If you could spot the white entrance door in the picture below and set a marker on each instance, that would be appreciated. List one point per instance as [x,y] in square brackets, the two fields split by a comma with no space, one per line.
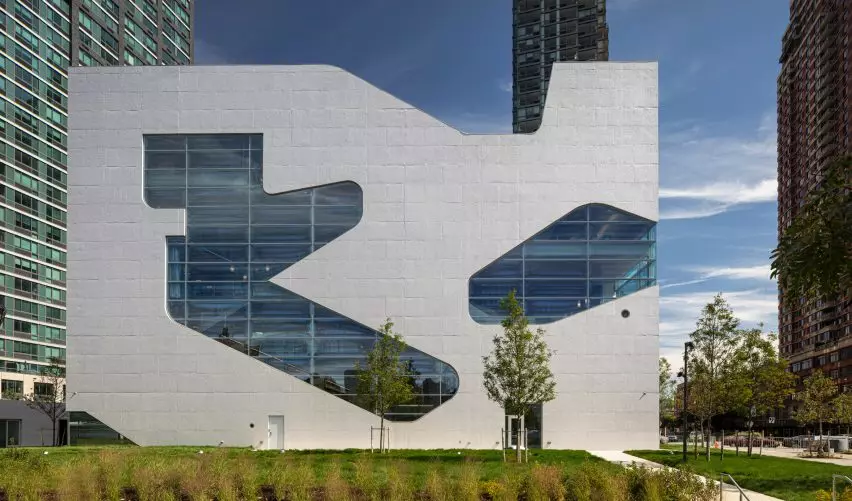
[276,433]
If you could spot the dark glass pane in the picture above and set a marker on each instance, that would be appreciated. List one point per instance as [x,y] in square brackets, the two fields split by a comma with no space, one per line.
[620,250]
[278,253]
[281,234]
[217,196]
[218,159]
[176,309]
[555,250]
[333,327]
[265,271]
[612,268]
[165,160]
[280,309]
[164,142]
[218,142]
[606,213]
[551,268]
[217,178]
[268,290]
[344,346]
[579,214]
[338,194]
[487,310]
[260,197]
[231,214]
[213,290]
[503,269]
[218,234]
[620,231]
[216,272]
[165,198]
[341,214]
[553,307]
[564,231]
[555,288]
[256,142]
[200,253]
[272,214]
[327,233]
[176,249]
[165,178]
[494,288]
[216,309]
[279,328]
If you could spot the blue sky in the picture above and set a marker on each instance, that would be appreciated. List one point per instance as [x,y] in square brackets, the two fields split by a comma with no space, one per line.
[452,58]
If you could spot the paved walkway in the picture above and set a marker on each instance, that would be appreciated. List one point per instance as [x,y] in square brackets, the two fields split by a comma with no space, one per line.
[730,493]
[784,452]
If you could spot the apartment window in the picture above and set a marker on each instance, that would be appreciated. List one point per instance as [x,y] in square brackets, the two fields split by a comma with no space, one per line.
[10,432]
[11,388]
[44,390]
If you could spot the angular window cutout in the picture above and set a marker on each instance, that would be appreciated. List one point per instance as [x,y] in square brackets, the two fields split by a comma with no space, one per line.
[590,256]
[237,238]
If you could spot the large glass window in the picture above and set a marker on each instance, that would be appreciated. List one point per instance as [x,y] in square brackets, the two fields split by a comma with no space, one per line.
[237,238]
[594,254]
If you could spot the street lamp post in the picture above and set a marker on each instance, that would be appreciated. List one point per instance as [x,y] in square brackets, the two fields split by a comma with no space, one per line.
[687,347]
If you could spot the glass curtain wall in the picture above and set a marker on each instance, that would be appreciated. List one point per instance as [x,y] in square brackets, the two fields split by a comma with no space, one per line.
[594,254]
[238,237]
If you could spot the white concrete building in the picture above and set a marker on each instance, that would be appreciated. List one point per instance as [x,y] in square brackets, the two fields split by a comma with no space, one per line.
[236,233]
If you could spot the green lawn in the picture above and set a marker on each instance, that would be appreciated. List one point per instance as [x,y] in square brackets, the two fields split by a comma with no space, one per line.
[416,462]
[788,479]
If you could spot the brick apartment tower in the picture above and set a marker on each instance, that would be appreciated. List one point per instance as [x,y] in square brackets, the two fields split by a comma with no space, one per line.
[814,111]
[544,31]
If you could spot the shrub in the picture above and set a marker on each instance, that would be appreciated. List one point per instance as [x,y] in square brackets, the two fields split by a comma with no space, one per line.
[545,483]
[365,480]
[594,482]
[336,487]
[397,488]
[435,488]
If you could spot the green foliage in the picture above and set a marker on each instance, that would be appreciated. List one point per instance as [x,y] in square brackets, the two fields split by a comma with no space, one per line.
[517,372]
[814,254]
[815,402]
[384,381]
[667,392]
[713,387]
[843,410]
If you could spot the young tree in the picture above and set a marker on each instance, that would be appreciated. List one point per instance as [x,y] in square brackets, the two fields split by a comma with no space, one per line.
[711,364]
[48,396]
[814,253]
[761,377]
[667,394]
[384,380]
[843,410]
[517,373]
[815,402]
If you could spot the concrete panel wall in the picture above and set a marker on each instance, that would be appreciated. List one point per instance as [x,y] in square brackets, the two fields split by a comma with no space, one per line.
[438,206]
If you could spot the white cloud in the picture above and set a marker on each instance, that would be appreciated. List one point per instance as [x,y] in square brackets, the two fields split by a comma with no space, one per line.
[704,174]
[758,272]
[727,193]
[681,284]
[505,85]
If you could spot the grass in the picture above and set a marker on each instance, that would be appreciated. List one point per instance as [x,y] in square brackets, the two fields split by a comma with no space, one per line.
[231,474]
[788,479]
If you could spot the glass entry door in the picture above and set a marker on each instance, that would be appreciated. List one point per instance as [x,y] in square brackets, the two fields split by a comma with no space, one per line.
[10,433]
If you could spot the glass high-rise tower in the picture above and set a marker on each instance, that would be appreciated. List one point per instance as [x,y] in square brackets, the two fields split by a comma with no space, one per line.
[39,40]
[545,31]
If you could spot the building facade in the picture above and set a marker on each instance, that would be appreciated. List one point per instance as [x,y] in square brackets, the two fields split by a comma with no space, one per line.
[39,40]
[238,237]
[544,32]
[814,111]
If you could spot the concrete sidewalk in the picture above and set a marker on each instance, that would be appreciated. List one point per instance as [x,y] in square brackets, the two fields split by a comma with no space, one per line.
[729,492]
[788,453]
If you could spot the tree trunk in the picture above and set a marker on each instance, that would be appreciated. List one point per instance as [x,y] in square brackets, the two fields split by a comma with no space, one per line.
[750,425]
[820,438]
[707,450]
[518,444]
[54,431]
[382,434]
